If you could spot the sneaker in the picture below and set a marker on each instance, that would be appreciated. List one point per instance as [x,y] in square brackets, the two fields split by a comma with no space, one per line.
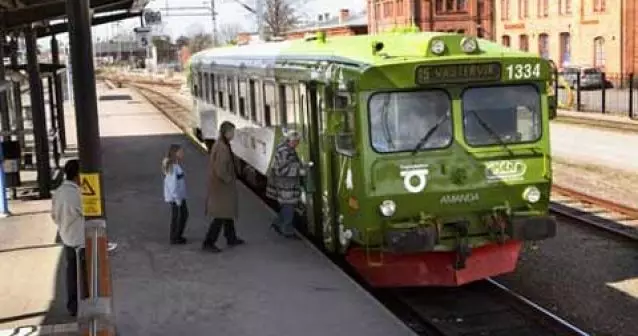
[236,241]
[211,248]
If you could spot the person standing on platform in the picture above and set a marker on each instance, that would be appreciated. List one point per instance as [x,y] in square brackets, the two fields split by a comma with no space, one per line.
[222,200]
[175,192]
[66,211]
[284,183]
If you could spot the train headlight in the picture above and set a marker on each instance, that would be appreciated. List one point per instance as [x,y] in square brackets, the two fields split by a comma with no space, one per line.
[388,208]
[532,194]
[437,47]
[469,44]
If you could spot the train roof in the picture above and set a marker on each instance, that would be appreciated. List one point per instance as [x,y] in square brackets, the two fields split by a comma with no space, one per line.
[356,51]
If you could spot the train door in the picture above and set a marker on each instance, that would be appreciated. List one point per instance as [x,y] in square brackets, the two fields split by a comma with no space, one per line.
[312,187]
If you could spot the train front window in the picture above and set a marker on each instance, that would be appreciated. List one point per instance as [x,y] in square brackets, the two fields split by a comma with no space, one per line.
[501,115]
[399,121]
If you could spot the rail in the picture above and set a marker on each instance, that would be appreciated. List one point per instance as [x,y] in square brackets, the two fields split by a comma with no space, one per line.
[567,208]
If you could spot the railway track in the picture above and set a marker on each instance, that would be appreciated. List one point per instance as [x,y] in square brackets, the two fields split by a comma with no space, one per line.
[612,217]
[485,308]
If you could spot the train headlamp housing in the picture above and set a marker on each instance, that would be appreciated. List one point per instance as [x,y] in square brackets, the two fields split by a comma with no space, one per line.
[437,47]
[469,45]
[532,194]
[388,208]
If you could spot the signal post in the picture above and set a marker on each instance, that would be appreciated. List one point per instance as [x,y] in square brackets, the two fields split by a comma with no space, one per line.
[96,312]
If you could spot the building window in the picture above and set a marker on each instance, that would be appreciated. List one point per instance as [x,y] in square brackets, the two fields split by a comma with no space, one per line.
[377,10]
[523,9]
[599,5]
[543,8]
[599,52]
[388,10]
[523,42]
[565,49]
[543,45]
[568,6]
[450,6]
[505,10]
[505,40]
[400,8]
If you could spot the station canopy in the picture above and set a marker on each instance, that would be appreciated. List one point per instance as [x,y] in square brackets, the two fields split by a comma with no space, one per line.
[15,14]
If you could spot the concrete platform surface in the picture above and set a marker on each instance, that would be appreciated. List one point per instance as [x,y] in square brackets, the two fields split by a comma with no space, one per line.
[270,286]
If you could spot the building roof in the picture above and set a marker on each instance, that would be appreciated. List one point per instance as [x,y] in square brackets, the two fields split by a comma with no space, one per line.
[354,20]
[17,13]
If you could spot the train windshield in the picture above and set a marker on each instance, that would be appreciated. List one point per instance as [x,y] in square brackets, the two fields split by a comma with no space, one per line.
[501,115]
[399,120]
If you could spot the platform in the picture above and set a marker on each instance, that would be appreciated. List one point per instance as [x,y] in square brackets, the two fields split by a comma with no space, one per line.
[270,286]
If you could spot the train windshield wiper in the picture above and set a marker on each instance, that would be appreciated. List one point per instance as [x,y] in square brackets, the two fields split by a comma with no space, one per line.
[386,127]
[429,133]
[492,132]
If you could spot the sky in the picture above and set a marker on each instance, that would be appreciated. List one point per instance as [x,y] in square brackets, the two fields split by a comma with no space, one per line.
[229,12]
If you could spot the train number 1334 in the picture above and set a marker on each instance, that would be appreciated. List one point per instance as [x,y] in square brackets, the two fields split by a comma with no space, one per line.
[523,71]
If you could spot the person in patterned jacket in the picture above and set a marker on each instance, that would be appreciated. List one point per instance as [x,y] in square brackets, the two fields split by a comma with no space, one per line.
[284,183]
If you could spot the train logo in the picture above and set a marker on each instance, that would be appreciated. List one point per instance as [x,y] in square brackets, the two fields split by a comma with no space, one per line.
[505,170]
[415,177]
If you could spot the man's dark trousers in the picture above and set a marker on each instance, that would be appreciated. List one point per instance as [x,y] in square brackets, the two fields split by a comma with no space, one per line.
[72,277]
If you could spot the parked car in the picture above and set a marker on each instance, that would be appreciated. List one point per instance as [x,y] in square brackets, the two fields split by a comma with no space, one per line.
[590,77]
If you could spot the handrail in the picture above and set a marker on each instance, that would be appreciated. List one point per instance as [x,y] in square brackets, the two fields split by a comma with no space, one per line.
[96,312]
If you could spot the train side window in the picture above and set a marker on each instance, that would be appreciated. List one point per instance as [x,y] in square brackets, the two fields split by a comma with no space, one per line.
[220,94]
[200,82]
[231,93]
[269,101]
[281,90]
[195,85]
[206,88]
[253,103]
[291,108]
[243,94]
[211,90]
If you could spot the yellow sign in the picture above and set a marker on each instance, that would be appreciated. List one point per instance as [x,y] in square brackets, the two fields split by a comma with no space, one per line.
[91,195]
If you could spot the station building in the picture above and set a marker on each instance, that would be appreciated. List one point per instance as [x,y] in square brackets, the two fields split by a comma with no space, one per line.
[599,33]
[471,17]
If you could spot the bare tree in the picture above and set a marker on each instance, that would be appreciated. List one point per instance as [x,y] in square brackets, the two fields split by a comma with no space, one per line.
[198,39]
[227,33]
[281,15]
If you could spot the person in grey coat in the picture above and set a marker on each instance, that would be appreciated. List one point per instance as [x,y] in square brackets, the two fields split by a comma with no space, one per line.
[284,182]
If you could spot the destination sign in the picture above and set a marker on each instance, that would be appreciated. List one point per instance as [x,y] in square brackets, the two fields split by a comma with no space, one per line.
[458,73]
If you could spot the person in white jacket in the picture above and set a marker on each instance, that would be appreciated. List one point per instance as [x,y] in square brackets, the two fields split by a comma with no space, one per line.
[67,214]
[175,192]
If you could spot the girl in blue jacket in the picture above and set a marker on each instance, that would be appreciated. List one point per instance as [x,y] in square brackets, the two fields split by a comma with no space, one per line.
[175,192]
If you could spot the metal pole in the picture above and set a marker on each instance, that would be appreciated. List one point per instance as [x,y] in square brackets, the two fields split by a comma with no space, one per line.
[214,21]
[17,95]
[59,95]
[53,118]
[4,104]
[4,204]
[39,116]
[88,135]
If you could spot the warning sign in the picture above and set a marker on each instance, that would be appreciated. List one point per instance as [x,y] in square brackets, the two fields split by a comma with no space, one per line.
[91,201]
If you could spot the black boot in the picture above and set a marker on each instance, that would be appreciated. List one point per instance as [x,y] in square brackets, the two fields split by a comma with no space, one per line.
[230,233]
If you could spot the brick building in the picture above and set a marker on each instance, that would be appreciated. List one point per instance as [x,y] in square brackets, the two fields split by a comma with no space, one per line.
[344,24]
[599,33]
[471,17]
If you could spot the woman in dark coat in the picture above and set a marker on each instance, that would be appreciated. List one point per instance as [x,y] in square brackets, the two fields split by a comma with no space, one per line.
[221,200]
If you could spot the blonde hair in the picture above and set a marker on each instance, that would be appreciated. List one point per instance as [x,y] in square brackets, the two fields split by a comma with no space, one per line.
[170,159]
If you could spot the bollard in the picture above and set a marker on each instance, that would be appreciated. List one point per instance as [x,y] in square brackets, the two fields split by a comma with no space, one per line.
[4,204]
[96,312]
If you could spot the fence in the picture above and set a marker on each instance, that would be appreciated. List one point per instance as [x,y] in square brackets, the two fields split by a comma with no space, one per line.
[598,92]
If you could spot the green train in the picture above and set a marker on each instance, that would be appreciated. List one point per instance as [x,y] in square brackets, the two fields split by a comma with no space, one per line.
[430,151]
